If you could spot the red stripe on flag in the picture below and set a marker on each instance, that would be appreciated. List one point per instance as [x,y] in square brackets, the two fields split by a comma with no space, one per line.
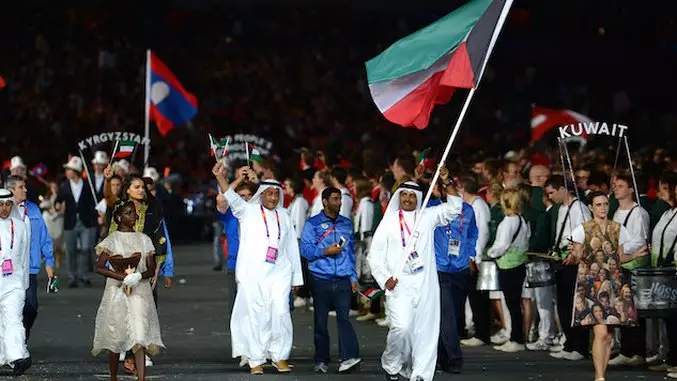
[459,73]
[164,125]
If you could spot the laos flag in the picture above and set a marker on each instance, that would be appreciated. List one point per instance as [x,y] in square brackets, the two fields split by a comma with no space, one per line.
[169,104]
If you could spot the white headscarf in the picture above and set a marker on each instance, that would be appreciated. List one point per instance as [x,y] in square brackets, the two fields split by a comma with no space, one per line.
[394,204]
[6,194]
[263,186]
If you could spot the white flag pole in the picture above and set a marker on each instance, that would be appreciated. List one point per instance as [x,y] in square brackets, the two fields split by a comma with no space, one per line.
[246,148]
[450,142]
[146,117]
[115,150]
[89,178]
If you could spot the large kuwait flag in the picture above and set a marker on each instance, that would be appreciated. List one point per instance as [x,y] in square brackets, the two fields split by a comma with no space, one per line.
[425,68]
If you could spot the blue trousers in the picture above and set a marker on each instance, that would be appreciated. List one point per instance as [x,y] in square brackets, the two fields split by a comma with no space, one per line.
[336,294]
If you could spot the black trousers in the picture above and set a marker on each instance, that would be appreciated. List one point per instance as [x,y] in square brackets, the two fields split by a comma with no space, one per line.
[30,312]
[481,307]
[511,282]
[671,328]
[578,338]
[453,291]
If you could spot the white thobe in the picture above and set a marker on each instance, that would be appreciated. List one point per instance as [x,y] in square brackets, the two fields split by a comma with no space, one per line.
[13,291]
[260,325]
[414,305]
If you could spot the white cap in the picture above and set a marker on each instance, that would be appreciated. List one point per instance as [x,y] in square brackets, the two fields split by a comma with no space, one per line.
[16,162]
[75,163]
[100,157]
[152,173]
[124,164]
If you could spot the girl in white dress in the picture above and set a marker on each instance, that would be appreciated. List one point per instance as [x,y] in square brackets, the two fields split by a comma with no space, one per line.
[127,318]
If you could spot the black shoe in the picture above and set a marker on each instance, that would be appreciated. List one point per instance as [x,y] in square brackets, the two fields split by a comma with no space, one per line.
[392,377]
[21,366]
[87,283]
[73,284]
[218,268]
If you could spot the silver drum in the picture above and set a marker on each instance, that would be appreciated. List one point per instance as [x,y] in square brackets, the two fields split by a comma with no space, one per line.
[654,292]
[540,274]
[487,280]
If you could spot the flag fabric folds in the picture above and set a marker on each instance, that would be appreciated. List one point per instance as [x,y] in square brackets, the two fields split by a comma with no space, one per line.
[170,104]
[424,69]
[125,149]
[545,119]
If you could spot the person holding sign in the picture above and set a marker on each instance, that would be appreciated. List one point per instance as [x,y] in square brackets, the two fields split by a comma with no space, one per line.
[414,303]
[14,248]
[327,244]
[267,268]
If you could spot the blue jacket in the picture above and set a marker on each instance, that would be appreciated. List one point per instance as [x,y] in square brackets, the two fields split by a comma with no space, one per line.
[41,242]
[315,239]
[467,234]
[167,269]
[232,228]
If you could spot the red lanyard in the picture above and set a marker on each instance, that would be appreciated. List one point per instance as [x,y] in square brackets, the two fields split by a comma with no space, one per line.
[265,221]
[11,229]
[403,225]
[326,234]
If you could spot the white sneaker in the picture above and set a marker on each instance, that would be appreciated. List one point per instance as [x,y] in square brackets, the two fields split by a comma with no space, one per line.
[556,348]
[559,355]
[573,356]
[384,323]
[539,345]
[672,375]
[366,317]
[299,302]
[500,337]
[621,360]
[510,347]
[311,308]
[149,362]
[123,355]
[353,313]
[472,342]
[654,359]
[332,313]
[349,364]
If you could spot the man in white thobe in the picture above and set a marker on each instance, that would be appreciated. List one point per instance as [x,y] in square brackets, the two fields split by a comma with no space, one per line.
[14,246]
[268,265]
[414,302]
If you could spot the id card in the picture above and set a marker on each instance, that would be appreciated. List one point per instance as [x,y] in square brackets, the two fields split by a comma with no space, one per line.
[271,255]
[415,263]
[454,247]
[7,267]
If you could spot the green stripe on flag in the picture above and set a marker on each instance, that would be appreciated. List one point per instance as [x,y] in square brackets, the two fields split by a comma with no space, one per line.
[420,50]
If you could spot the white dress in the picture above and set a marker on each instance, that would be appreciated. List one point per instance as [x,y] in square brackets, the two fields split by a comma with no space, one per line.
[127,322]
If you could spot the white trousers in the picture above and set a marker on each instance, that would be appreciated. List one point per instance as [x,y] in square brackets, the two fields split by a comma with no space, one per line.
[12,332]
[545,305]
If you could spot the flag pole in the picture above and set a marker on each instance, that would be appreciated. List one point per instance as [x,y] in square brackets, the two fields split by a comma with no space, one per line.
[634,183]
[112,155]
[454,133]
[246,148]
[146,116]
[89,178]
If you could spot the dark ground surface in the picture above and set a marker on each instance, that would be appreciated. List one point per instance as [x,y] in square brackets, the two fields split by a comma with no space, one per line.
[194,328]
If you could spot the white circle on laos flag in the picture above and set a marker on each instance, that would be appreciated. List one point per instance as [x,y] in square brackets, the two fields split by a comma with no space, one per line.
[158,92]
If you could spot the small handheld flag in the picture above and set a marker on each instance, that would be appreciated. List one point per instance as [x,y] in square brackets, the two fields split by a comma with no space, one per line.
[420,160]
[39,170]
[2,82]
[218,147]
[126,148]
[255,154]
[372,293]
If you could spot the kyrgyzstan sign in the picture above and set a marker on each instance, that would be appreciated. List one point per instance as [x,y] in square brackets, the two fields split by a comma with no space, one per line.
[106,137]
[237,146]
[592,128]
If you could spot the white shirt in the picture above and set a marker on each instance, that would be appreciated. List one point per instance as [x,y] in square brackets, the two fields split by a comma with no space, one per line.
[578,235]
[317,206]
[504,233]
[98,181]
[364,218]
[298,210]
[637,226]
[26,220]
[579,214]
[346,204]
[482,217]
[76,189]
